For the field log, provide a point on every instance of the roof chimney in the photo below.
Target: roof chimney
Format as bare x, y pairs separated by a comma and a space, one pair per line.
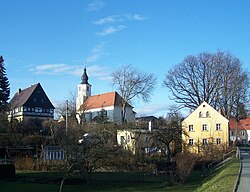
19, 91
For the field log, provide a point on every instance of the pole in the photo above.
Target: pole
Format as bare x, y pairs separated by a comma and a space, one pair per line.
66, 118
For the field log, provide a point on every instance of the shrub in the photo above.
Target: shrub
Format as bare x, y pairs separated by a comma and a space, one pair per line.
7, 170
185, 163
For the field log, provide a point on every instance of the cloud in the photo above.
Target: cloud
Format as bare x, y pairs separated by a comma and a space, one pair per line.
53, 69
111, 30
99, 72
136, 17
95, 5
97, 51
157, 110
109, 19
118, 19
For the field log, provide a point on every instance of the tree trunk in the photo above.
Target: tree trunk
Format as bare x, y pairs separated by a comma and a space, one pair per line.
61, 184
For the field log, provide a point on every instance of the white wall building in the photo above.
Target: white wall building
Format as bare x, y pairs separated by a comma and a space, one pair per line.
90, 107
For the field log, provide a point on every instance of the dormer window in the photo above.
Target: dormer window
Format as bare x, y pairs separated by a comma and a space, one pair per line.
207, 114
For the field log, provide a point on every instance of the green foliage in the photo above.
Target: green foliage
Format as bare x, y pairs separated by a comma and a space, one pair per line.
7, 170
4, 87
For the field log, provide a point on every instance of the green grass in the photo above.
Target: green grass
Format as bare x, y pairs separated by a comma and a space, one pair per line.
223, 180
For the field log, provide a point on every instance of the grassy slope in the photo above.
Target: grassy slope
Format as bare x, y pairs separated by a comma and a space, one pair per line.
224, 180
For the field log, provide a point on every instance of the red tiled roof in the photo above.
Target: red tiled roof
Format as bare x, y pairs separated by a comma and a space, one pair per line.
234, 124
246, 123
102, 100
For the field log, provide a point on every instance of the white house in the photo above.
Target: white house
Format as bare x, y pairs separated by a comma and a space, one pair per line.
109, 104
246, 124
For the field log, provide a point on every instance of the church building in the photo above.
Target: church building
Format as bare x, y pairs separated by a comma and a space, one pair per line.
90, 107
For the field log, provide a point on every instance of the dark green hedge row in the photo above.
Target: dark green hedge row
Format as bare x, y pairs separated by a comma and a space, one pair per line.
7, 170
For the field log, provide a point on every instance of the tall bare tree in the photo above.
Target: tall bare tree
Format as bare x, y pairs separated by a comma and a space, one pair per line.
168, 137
217, 78
132, 83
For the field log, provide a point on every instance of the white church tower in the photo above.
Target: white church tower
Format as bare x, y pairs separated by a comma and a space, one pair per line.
84, 90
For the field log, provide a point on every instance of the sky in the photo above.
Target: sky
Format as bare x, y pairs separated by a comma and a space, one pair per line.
49, 41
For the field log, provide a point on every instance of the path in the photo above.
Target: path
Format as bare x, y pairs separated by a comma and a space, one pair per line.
244, 185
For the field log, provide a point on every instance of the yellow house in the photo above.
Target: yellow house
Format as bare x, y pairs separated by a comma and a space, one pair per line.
205, 127
134, 139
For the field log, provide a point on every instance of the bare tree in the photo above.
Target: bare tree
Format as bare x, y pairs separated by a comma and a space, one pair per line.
217, 78
132, 83
92, 152
167, 139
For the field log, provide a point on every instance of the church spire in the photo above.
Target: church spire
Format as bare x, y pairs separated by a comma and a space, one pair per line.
85, 77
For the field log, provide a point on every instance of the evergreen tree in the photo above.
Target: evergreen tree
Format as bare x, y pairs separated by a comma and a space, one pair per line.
4, 87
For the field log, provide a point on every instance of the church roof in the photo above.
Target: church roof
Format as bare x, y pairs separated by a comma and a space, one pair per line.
102, 100
85, 77
23, 97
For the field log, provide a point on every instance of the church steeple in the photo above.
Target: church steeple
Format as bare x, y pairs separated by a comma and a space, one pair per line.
84, 90
85, 77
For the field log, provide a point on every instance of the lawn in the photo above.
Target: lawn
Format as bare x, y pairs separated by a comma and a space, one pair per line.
222, 180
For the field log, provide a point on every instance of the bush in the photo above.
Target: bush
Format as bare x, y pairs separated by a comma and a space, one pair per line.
185, 163
24, 163
7, 170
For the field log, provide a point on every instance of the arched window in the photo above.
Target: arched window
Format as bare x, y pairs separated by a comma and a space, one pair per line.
200, 114
207, 114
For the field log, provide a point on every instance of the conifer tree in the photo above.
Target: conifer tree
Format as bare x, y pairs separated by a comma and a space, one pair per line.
4, 87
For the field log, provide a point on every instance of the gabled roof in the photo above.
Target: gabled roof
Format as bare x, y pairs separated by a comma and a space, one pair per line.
102, 100
234, 124
22, 97
246, 123
203, 108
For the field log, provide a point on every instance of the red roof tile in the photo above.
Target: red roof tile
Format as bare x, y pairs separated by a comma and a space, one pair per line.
246, 123
102, 100
234, 124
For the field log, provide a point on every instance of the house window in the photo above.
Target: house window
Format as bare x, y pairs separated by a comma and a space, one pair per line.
232, 133
204, 127
200, 114
34, 99
191, 128
207, 114
243, 133
204, 141
218, 127
218, 141
191, 142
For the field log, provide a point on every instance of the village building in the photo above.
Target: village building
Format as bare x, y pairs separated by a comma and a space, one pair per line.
238, 133
135, 140
147, 122
31, 103
90, 107
205, 126
246, 124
